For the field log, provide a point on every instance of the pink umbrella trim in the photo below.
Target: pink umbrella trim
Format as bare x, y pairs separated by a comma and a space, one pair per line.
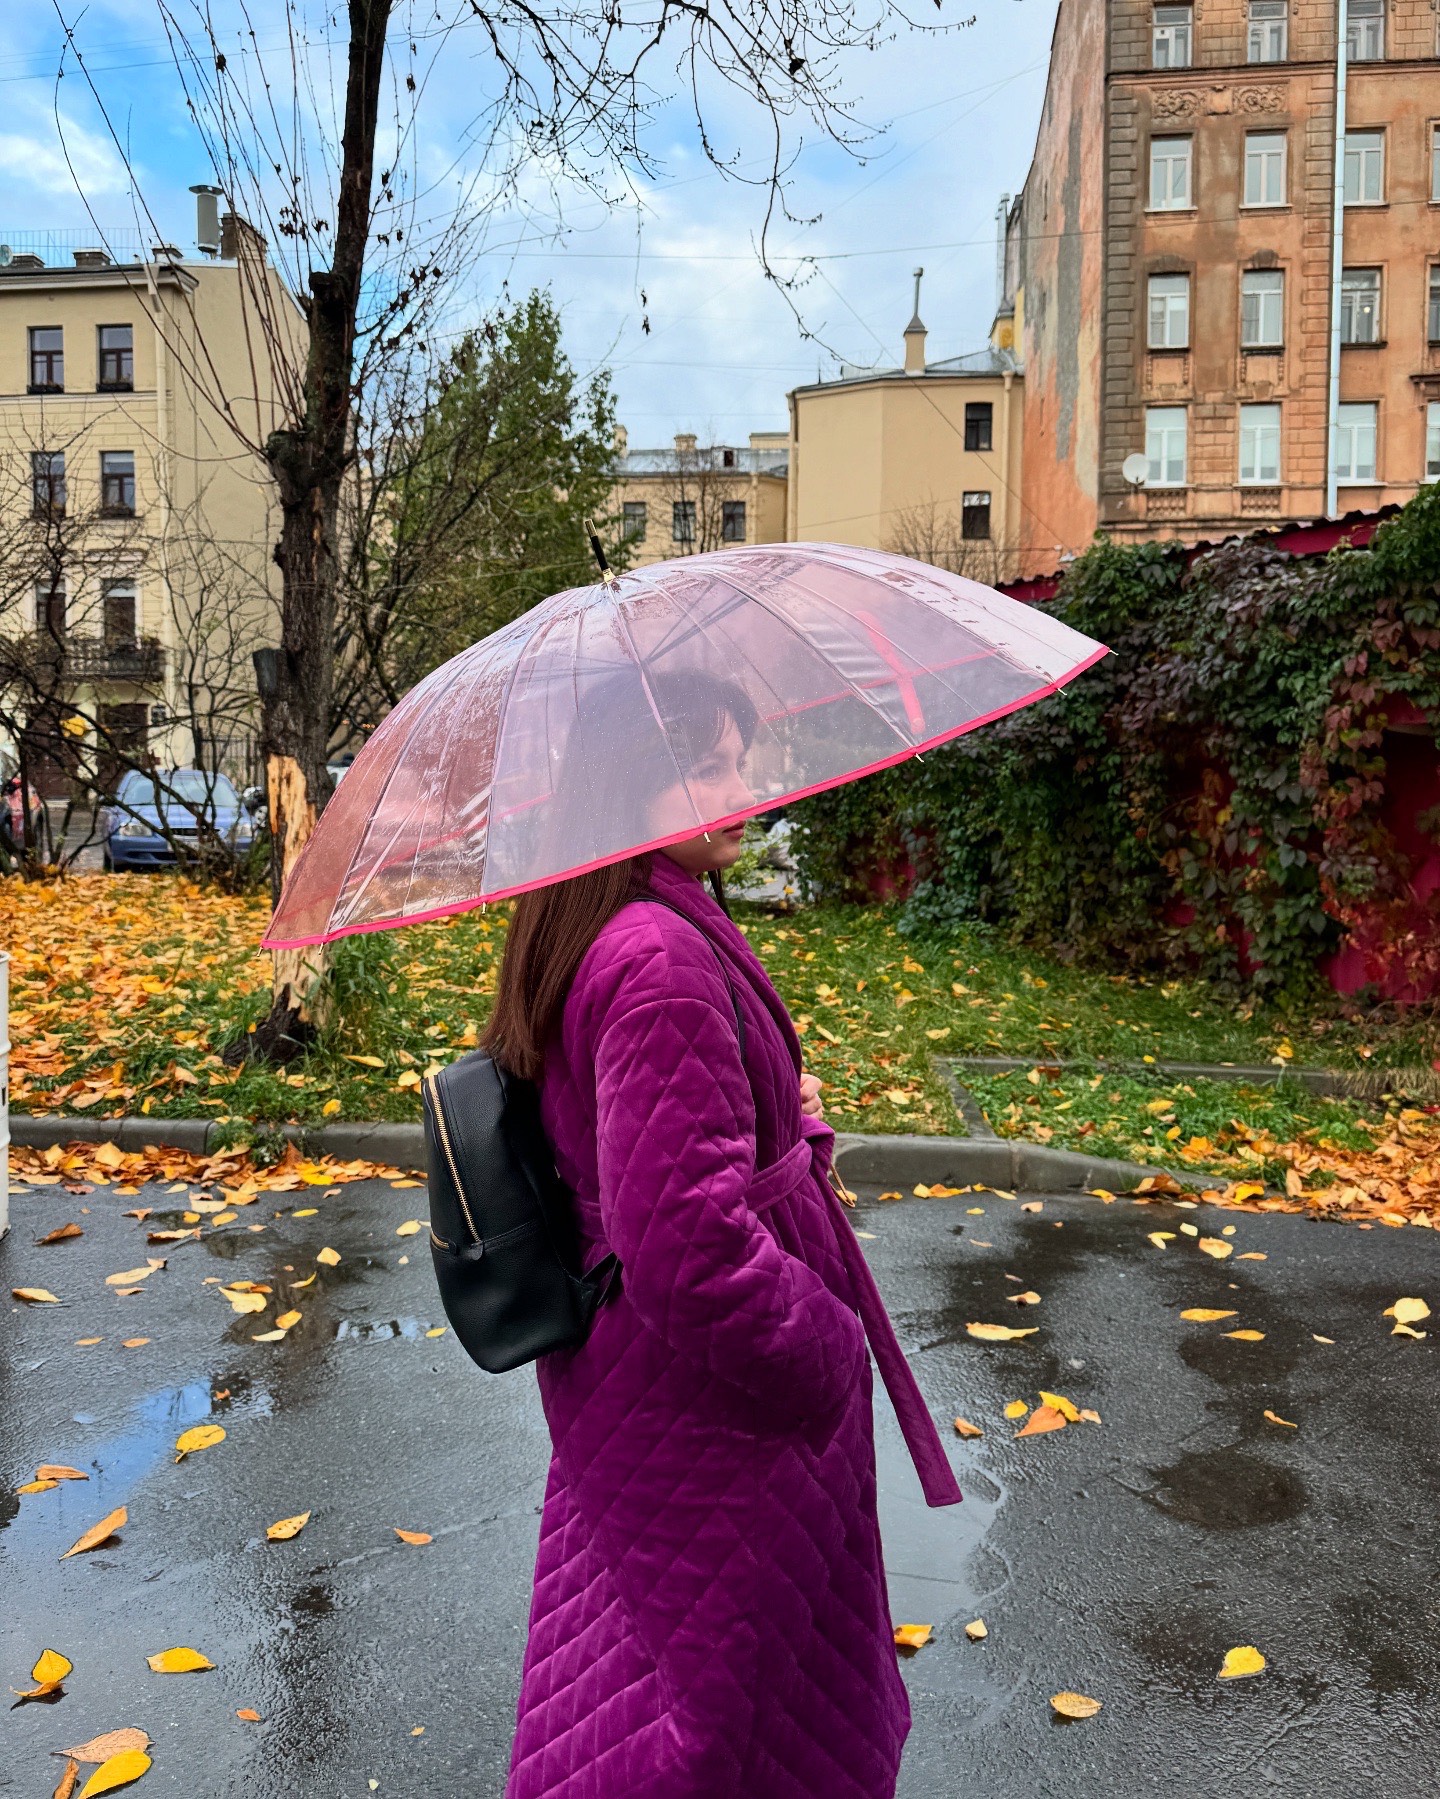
660, 843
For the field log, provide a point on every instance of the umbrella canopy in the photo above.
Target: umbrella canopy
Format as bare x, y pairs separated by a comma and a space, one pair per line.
572, 737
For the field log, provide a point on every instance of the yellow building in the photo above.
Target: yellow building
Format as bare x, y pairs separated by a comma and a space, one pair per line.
136, 527
923, 459
692, 498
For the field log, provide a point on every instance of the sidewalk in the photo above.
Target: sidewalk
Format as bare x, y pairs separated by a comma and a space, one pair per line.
1119, 1560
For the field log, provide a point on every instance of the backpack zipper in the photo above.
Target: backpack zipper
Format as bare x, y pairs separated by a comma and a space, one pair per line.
437, 1107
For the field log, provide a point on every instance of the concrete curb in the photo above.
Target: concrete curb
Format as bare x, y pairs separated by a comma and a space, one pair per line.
951, 1161
1332, 1083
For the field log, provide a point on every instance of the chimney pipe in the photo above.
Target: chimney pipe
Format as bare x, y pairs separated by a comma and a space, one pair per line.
207, 219
915, 336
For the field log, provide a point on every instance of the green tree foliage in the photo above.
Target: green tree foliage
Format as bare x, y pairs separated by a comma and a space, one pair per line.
514, 453
1207, 797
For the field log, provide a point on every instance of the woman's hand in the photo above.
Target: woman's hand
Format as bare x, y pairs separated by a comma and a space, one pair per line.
810, 1103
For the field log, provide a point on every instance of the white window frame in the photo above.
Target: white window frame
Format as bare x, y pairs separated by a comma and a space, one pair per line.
1432, 305
1167, 300
1266, 288
1260, 445
978, 500
1172, 154
1432, 441
1365, 32
1435, 138
1266, 169
1358, 432
1356, 287
1269, 39
1172, 39
1162, 425
1365, 162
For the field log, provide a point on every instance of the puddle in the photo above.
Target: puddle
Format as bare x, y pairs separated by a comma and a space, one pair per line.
1226, 1489
364, 1330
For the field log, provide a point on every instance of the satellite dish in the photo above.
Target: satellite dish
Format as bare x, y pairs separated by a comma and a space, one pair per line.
1135, 468
6, 256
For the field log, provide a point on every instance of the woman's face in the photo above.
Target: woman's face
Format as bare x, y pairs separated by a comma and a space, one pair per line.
717, 786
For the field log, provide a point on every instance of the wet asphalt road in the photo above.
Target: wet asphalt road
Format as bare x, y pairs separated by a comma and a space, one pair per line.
1121, 1561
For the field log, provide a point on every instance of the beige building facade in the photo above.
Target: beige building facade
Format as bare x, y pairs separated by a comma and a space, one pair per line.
924, 459
689, 498
1175, 278
136, 527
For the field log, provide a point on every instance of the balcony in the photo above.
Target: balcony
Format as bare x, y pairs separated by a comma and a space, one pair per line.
93, 659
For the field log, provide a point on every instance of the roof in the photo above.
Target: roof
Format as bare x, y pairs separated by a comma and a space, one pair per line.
1296, 537
988, 362
697, 463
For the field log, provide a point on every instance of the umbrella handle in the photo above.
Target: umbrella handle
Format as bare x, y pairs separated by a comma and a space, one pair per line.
597, 549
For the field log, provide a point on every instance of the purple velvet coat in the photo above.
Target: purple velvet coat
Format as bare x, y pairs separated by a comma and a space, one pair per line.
710, 1619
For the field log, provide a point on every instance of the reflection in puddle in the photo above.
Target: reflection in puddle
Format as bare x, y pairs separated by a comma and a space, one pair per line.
375, 1330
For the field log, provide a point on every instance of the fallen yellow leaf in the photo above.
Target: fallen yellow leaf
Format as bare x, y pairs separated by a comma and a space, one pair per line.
134, 1342
437, 1330
412, 1536
87, 1342
1252, 1255
1204, 1314
48, 1673
246, 1302
329, 1257
308, 1281
118, 1771
38, 1486
328, 1110
1409, 1330
35, 1296
1245, 1336
285, 1528
1407, 1311
1057, 1402
408, 1079
1275, 1418
1248, 1190
964, 1428
1089, 1416
366, 1061
61, 1234
1023, 1299
58, 1471
66, 1786
99, 1533
128, 1276
1217, 1247
1191, 1230
1043, 1418
1161, 1238
287, 1321
200, 1436
976, 1630
1017, 1408
179, 1661
1320, 1339
1241, 1661
268, 1337
410, 1228
1074, 1705
912, 1636
1000, 1333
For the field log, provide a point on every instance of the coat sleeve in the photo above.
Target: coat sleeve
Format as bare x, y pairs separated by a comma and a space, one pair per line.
675, 1135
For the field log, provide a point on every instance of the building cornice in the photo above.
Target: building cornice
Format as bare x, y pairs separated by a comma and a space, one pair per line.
136, 276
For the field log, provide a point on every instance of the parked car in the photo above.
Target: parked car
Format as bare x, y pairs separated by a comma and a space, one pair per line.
181, 800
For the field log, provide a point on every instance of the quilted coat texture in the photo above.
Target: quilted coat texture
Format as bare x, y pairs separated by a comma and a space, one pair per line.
710, 1618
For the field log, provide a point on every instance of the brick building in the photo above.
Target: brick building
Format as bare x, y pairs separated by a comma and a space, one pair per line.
1170, 264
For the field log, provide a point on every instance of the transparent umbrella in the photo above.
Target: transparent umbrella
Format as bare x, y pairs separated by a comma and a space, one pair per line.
570, 738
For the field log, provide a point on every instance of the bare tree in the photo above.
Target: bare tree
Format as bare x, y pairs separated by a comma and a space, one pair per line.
942, 533
567, 86
702, 484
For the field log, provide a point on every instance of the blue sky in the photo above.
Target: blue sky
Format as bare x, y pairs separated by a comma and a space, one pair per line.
723, 347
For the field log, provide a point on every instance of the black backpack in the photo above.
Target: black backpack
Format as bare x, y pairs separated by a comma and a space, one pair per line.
502, 1222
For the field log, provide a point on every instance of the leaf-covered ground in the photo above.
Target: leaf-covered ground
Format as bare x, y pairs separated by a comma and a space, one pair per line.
125, 989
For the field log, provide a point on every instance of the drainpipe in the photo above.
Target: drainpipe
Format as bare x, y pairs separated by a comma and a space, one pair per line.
1337, 259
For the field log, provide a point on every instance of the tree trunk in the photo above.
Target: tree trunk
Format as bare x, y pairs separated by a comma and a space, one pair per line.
308, 462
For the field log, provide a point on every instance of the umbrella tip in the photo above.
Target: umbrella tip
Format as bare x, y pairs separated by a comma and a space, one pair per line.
597, 549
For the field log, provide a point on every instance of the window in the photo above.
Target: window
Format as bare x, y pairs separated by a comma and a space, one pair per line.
1265, 168
727, 459
979, 425
1355, 442
50, 608
118, 601
682, 521
1262, 309
117, 482
1169, 174
1169, 312
1364, 168
1165, 445
1365, 31
1360, 306
636, 514
1433, 328
1170, 40
1269, 30
47, 481
47, 359
1432, 440
975, 515
1259, 446
117, 358
732, 521
1435, 144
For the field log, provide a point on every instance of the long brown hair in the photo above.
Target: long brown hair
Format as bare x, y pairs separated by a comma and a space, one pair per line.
552, 927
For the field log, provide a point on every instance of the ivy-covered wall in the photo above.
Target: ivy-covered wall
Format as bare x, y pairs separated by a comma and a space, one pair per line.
1209, 797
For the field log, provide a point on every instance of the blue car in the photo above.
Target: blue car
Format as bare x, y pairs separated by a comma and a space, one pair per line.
180, 799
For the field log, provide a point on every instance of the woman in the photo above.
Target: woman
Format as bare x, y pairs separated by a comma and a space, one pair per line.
710, 1614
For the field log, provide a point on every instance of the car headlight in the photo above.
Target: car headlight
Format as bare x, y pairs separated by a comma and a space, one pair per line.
136, 827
